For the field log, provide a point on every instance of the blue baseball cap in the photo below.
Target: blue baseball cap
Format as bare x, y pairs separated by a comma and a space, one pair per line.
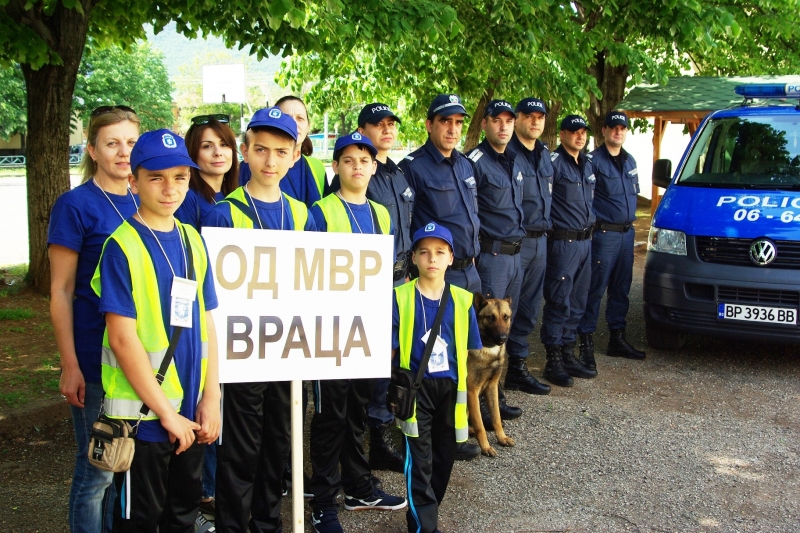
446, 105
616, 118
273, 117
574, 123
432, 229
159, 150
374, 113
531, 105
353, 138
497, 107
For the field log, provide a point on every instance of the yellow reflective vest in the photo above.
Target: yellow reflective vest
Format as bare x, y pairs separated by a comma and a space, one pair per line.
406, 304
336, 218
121, 400
318, 171
241, 220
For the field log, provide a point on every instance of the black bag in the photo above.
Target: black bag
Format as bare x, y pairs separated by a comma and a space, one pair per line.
404, 385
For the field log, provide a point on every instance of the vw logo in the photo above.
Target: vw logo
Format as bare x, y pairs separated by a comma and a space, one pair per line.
762, 252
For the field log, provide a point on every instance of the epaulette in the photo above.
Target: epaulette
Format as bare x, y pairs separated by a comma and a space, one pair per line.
475, 154
408, 157
554, 156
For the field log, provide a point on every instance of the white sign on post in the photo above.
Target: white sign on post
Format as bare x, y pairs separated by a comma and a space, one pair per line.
224, 83
297, 305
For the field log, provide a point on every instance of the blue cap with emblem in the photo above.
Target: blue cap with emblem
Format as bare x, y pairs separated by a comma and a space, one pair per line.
374, 113
446, 105
159, 150
531, 105
354, 138
273, 117
616, 118
496, 107
432, 229
574, 123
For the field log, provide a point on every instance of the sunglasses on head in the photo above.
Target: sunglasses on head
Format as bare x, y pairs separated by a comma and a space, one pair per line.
103, 109
205, 119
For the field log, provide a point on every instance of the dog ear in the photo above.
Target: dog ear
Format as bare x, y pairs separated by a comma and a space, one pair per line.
508, 299
478, 301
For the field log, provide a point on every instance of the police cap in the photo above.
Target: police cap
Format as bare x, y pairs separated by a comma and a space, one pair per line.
616, 118
574, 123
446, 105
374, 113
531, 105
496, 107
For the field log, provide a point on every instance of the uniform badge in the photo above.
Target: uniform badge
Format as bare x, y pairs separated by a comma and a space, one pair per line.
356, 136
453, 99
519, 176
591, 179
169, 141
470, 181
550, 186
275, 113
407, 193
430, 227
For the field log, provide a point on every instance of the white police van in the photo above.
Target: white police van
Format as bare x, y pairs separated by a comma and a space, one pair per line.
724, 246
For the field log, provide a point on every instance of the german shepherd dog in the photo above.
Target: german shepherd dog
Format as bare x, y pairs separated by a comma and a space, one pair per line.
484, 367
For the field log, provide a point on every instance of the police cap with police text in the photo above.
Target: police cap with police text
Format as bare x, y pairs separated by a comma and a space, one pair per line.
574, 123
531, 105
432, 229
273, 117
160, 150
616, 118
374, 113
354, 138
446, 105
496, 107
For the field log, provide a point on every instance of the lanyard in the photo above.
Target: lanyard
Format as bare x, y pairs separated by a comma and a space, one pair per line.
354, 216
258, 217
111, 202
185, 264
422, 304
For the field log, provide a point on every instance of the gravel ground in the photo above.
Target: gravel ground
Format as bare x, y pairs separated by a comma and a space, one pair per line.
705, 439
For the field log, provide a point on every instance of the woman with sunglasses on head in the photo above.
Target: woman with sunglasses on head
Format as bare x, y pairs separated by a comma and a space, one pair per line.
80, 222
307, 180
212, 145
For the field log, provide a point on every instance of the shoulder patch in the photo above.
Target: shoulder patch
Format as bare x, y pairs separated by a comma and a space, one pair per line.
475, 155
591, 179
470, 181
554, 156
633, 172
408, 158
589, 156
408, 193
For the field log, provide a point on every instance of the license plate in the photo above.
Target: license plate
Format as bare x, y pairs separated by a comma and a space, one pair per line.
757, 313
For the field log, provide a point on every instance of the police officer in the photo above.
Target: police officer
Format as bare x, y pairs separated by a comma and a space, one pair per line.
444, 183
612, 244
568, 273
533, 159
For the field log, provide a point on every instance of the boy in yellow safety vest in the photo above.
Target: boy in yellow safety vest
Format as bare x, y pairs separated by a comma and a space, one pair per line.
440, 416
156, 290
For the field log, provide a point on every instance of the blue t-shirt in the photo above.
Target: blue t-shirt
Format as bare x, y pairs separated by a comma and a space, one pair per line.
195, 208
117, 297
268, 212
299, 182
423, 321
81, 220
360, 217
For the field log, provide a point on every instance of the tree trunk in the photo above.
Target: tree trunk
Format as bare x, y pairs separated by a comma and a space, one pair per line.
611, 80
50, 91
474, 131
551, 125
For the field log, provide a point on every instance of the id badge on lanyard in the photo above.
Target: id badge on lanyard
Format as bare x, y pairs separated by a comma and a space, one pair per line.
438, 361
183, 295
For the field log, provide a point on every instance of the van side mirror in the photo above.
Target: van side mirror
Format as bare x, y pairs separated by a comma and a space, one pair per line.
662, 173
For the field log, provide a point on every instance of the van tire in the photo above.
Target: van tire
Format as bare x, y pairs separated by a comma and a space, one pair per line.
662, 338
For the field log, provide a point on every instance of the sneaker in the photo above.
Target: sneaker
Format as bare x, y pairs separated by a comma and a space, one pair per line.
378, 501
326, 522
201, 525
208, 508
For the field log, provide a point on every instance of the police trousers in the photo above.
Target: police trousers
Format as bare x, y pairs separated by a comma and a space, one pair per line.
566, 286
252, 455
612, 269
533, 262
501, 276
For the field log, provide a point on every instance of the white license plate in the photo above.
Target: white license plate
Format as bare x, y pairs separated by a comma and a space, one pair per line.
757, 313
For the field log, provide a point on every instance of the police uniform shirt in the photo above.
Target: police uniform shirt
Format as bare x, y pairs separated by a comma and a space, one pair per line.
446, 194
195, 208
537, 187
269, 213
573, 190
499, 181
81, 220
361, 217
617, 188
117, 297
422, 323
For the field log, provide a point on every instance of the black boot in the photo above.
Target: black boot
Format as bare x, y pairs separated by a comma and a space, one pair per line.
518, 378
587, 352
466, 451
572, 366
618, 346
486, 416
382, 453
507, 412
554, 368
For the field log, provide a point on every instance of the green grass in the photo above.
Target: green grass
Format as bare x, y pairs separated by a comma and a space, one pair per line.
29, 384
13, 277
16, 313
16, 330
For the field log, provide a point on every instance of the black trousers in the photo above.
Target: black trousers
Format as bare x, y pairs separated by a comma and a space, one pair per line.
252, 455
337, 436
161, 492
430, 456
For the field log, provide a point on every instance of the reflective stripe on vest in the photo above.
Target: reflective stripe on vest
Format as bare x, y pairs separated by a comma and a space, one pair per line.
318, 171
338, 222
406, 304
121, 400
241, 220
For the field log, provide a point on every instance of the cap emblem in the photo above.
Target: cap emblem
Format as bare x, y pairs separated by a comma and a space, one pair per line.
169, 141
356, 136
275, 113
430, 227
454, 99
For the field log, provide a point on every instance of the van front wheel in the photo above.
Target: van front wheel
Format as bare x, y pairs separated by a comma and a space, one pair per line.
663, 339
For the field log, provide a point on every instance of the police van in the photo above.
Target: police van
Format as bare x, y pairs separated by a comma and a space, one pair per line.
723, 253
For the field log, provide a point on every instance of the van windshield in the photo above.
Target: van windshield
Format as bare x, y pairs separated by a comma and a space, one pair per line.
746, 153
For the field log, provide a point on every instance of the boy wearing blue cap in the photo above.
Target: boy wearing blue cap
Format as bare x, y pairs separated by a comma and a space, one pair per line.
440, 416
337, 427
255, 441
156, 290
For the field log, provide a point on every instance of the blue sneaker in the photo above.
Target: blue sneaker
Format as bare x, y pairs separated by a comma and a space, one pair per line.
326, 522
378, 501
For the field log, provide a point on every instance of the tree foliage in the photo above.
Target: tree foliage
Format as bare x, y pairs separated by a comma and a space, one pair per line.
13, 116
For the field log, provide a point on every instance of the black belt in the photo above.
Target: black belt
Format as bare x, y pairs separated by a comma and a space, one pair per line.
534, 234
612, 227
570, 235
401, 267
461, 264
506, 248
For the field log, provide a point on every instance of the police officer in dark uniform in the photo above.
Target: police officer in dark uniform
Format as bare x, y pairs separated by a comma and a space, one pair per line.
569, 244
612, 244
533, 159
444, 184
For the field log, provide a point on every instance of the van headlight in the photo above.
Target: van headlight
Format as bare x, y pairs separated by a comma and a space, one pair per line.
667, 241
